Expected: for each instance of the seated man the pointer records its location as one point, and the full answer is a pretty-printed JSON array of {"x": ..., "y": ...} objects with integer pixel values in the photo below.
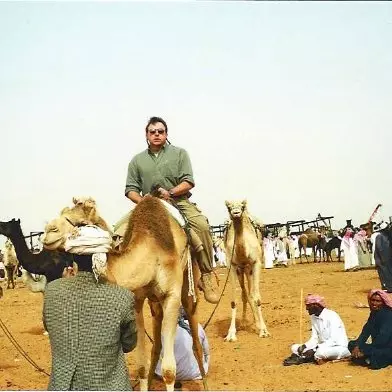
[
  {"x": 187, "y": 366},
  {"x": 328, "y": 340},
  {"x": 378, "y": 353}
]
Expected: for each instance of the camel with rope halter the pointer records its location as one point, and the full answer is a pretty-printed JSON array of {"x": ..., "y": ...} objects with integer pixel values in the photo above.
[
  {"x": 243, "y": 243},
  {"x": 155, "y": 264}
]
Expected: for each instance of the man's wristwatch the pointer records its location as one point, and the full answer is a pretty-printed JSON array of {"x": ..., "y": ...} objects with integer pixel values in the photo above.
[{"x": 171, "y": 193}]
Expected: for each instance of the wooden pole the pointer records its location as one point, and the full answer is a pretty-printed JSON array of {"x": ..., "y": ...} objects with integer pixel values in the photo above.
[{"x": 301, "y": 305}]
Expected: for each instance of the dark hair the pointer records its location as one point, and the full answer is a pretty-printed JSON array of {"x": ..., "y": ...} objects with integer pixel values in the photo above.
[
  {"x": 154, "y": 120},
  {"x": 84, "y": 262}
]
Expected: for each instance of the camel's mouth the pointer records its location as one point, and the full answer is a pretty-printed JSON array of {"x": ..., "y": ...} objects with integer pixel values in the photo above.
[
  {"x": 52, "y": 242},
  {"x": 236, "y": 213}
]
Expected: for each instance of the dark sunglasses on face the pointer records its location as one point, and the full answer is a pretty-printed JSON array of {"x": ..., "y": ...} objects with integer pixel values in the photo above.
[{"x": 154, "y": 131}]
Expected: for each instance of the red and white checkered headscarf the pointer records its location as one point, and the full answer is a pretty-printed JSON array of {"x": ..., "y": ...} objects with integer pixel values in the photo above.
[{"x": 315, "y": 299}]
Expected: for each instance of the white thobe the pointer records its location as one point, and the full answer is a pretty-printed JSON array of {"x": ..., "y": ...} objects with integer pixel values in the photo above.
[
  {"x": 329, "y": 338},
  {"x": 187, "y": 367},
  {"x": 268, "y": 253},
  {"x": 281, "y": 251},
  {"x": 221, "y": 257},
  {"x": 350, "y": 250},
  {"x": 373, "y": 241}
]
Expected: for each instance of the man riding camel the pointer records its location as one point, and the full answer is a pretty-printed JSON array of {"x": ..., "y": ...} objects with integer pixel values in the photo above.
[{"x": 170, "y": 167}]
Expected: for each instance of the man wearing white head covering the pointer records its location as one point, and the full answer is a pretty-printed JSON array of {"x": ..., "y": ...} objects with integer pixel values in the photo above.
[
  {"x": 350, "y": 249},
  {"x": 269, "y": 255},
  {"x": 328, "y": 340}
]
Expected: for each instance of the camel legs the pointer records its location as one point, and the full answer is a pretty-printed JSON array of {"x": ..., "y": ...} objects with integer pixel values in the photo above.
[
  {"x": 10, "y": 276},
  {"x": 329, "y": 257},
  {"x": 170, "y": 307},
  {"x": 197, "y": 348},
  {"x": 300, "y": 254},
  {"x": 314, "y": 254},
  {"x": 157, "y": 315},
  {"x": 244, "y": 296},
  {"x": 190, "y": 309},
  {"x": 231, "y": 334},
  {"x": 141, "y": 354},
  {"x": 306, "y": 256},
  {"x": 255, "y": 299}
]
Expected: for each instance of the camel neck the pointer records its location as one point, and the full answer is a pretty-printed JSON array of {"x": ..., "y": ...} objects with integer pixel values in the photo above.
[
  {"x": 19, "y": 243},
  {"x": 30, "y": 261},
  {"x": 239, "y": 225}
]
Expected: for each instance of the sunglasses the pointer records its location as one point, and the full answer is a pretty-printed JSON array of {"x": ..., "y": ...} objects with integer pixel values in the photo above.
[{"x": 154, "y": 131}]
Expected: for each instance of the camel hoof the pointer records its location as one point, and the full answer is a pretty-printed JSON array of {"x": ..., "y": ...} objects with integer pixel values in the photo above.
[
  {"x": 264, "y": 334},
  {"x": 231, "y": 338},
  {"x": 143, "y": 384}
]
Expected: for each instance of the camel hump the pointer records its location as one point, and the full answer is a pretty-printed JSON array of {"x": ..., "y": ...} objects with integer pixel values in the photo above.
[{"x": 150, "y": 218}]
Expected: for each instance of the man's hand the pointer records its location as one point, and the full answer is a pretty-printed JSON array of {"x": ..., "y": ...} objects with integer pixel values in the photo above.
[
  {"x": 357, "y": 353},
  {"x": 164, "y": 194}
]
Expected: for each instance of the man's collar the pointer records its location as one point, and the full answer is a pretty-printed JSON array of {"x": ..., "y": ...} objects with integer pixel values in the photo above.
[
  {"x": 162, "y": 149},
  {"x": 321, "y": 314}
]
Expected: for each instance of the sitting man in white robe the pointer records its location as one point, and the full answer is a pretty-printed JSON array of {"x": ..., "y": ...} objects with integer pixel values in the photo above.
[
  {"x": 187, "y": 367},
  {"x": 328, "y": 340}
]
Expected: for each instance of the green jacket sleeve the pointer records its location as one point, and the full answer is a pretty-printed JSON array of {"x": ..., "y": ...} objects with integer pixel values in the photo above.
[
  {"x": 133, "y": 182},
  {"x": 185, "y": 169}
]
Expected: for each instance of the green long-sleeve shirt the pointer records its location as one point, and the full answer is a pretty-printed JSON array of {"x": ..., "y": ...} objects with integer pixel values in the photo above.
[{"x": 169, "y": 168}]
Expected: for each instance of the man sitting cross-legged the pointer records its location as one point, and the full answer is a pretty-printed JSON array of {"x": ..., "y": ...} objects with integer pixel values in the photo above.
[{"x": 329, "y": 339}]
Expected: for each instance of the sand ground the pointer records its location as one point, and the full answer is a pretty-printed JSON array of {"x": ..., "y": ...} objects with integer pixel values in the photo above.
[{"x": 251, "y": 363}]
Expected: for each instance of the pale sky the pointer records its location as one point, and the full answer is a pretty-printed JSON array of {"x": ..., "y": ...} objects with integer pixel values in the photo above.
[{"x": 286, "y": 104}]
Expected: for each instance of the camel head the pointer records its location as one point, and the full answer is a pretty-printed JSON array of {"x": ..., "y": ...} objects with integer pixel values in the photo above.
[
  {"x": 83, "y": 212},
  {"x": 236, "y": 208},
  {"x": 10, "y": 227},
  {"x": 56, "y": 232},
  {"x": 8, "y": 246}
]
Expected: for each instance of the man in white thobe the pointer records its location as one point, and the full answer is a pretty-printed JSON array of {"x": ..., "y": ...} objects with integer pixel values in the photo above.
[
  {"x": 328, "y": 340},
  {"x": 186, "y": 364},
  {"x": 269, "y": 255},
  {"x": 350, "y": 249}
]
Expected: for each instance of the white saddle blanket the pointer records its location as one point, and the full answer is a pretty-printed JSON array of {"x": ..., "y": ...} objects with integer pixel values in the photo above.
[{"x": 174, "y": 213}]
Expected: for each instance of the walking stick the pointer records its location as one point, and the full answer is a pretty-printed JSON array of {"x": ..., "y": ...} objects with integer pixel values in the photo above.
[
  {"x": 300, "y": 315},
  {"x": 374, "y": 213}
]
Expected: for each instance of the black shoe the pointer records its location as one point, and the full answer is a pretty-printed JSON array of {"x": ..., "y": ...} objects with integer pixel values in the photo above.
[{"x": 294, "y": 359}]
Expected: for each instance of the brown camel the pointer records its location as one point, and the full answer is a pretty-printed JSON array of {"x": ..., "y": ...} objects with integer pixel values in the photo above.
[
  {"x": 309, "y": 239},
  {"x": 153, "y": 263},
  {"x": 245, "y": 254}
]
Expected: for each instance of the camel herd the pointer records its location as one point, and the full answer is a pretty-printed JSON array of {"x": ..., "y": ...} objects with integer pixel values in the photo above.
[{"x": 155, "y": 262}]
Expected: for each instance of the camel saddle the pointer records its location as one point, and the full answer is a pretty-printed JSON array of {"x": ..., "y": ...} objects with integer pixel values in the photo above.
[{"x": 121, "y": 226}]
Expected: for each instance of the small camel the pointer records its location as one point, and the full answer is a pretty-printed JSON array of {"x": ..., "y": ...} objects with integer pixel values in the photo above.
[
  {"x": 244, "y": 257},
  {"x": 153, "y": 263},
  {"x": 10, "y": 263}
]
